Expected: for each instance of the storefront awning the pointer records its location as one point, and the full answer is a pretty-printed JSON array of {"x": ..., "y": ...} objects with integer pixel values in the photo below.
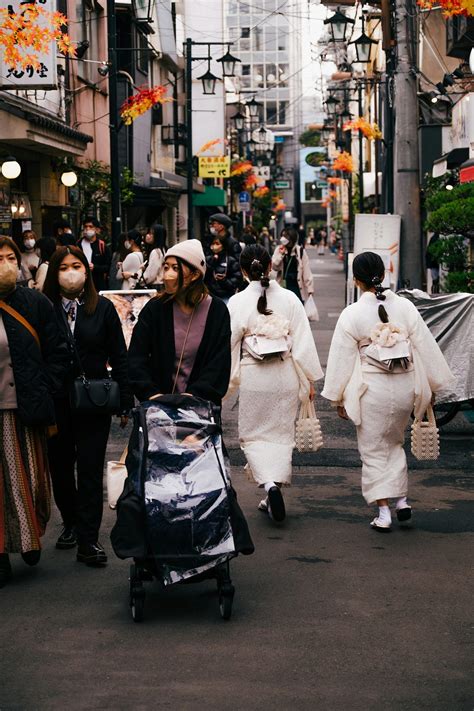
[
  {"x": 466, "y": 172},
  {"x": 450, "y": 160},
  {"x": 211, "y": 197},
  {"x": 161, "y": 194}
]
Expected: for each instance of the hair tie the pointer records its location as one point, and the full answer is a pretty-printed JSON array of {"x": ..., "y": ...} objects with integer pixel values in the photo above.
[
  {"x": 256, "y": 264},
  {"x": 376, "y": 281}
]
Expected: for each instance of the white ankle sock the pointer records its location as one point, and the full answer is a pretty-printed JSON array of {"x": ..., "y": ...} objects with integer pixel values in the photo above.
[
  {"x": 269, "y": 485},
  {"x": 402, "y": 503},
  {"x": 384, "y": 514}
]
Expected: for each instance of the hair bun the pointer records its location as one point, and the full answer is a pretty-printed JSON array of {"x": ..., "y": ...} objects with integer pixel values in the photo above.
[{"x": 265, "y": 282}]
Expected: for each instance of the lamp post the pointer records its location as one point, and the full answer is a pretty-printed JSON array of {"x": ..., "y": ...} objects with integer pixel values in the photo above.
[
  {"x": 209, "y": 84},
  {"x": 113, "y": 126}
]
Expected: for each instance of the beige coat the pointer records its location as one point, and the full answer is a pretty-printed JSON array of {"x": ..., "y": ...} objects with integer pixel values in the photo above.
[{"x": 305, "y": 277}]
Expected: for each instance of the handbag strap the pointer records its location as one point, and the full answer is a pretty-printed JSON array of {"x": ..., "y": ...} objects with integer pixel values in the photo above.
[
  {"x": 21, "y": 319},
  {"x": 182, "y": 351},
  {"x": 72, "y": 341}
]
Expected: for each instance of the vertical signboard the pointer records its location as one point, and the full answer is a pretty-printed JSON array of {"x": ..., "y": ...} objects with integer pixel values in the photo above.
[
  {"x": 44, "y": 75},
  {"x": 380, "y": 234}
]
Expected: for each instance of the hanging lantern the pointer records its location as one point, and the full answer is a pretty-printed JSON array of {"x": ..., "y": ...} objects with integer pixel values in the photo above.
[
  {"x": 208, "y": 82},
  {"x": 69, "y": 178},
  {"x": 10, "y": 169},
  {"x": 142, "y": 10},
  {"x": 254, "y": 107},
  {"x": 228, "y": 64},
  {"x": 239, "y": 120},
  {"x": 331, "y": 104},
  {"x": 363, "y": 46},
  {"x": 338, "y": 24}
]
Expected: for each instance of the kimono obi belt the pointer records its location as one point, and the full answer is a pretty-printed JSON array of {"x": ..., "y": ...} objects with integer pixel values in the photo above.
[{"x": 368, "y": 367}]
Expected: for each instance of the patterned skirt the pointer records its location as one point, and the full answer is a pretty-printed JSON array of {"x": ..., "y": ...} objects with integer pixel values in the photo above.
[{"x": 25, "y": 492}]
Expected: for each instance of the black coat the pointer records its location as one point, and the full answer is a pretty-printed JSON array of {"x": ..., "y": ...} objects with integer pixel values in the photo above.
[
  {"x": 101, "y": 259},
  {"x": 223, "y": 265},
  {"x": 99, "y": 340},
  {"x": 38, "y": 373},
  {"x": 152, "y": 353}
]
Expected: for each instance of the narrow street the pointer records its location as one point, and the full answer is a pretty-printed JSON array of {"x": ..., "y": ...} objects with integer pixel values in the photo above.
[{"x": 328, "y": 614}]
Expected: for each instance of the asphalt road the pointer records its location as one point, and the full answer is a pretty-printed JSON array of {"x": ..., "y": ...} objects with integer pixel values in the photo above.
[{"x": 328, "y": 614}]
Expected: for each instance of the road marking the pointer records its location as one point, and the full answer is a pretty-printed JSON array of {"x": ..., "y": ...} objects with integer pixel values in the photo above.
[{"x": 334, "y": 315}]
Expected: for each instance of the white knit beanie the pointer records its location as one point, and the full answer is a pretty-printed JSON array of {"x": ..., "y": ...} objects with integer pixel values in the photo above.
[{"x": 191, "y": 251}]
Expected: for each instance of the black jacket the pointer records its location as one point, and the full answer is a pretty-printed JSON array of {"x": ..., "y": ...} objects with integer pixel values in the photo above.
[
  {"x": 99, "y": 340},
  {"x": 38, "y": 373},
  {"x": 151, "y": 356},
  {"x": 223, "y": 265},
  {"x": 101, "y": 259}
]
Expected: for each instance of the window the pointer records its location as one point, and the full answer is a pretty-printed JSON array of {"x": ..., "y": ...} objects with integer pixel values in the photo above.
[
  {"x": 271, "y": 112},
  {"x": 142, "y": 56},
  {"x": 245, "y": 32},
  {"x": 245, "y": 70},
  {"x": 312, "y": 192},
  {"x": 282, "y": 113}
]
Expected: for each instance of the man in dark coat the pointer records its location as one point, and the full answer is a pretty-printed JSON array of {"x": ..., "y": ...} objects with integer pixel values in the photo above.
[
  {"x": 219, "y": 226},
  {"x": 97, "y": 253}
]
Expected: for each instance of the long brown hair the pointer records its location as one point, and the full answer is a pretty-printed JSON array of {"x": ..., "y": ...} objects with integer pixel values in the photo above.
[
  {"x": 194, "y": 293},
  {"x": 51, "y": 284}
]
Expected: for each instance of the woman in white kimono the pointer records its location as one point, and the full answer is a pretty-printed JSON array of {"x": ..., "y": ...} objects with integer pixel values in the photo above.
[
  {"x": 270, "y": 388},
  {"x": 379, "y": 402}
]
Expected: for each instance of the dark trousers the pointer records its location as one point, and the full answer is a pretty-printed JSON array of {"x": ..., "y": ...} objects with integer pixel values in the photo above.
[{"x": 82, "y": 441}]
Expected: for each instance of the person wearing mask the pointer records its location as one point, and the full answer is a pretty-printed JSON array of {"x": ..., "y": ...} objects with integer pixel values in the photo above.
[
  {"x": 264, "y": 239},
  {"x": 97, "y": 253},
  {"x": 155, "y": 248},
  {"x": 130, "y": 268},
  {"x": 219, "y": 226},
  {"x": 114, "y": 283},
  {"x": 270, "y": 389},
  {"x": 290, "y": 262},
  {"x": 223, "y": 275},
  {"x": 181, "y": 341},
  {"x": 29, "y": 256},
  {"x": 92, "y": 326},
  {"x": 378, "y": 402},
  {"x": 34, "y": 360},
  {"x": 63, "y": 235},
  {"x": 249, "y": 236},
  {"x": 46, "y": 247}
]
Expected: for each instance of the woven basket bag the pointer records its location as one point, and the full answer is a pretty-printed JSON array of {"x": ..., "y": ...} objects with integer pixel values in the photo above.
[
  {"x": 308, "y": 435},
  {"x": 425, "y": 437}
]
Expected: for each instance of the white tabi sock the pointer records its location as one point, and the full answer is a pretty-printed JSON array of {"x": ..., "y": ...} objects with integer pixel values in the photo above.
[
  {"x": 402, "y": 503},
  {"x": 269, "y": 485},
  {"x": 384, "y": 514}
]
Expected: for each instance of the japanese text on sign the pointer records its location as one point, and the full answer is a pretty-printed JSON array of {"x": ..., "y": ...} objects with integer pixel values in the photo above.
[
  {"x": 44, "y": 76},
  {"x": 214, "y": 167}
]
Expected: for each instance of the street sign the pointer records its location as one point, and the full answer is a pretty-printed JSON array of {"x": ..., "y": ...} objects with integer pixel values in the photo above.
[
  {"x": 244, "y": 202},
  {"x": 262, "y": 172},
  {"x": 321, "y": 184},
  {"x": 214, "y": 166},
  {"x": 282, "y": 184}
]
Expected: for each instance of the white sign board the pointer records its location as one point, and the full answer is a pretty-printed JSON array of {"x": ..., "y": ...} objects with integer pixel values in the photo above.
[
  {"x": 262, "y": 172},
  {"x": 380, "y": 234},
  {"x": 44, "y": 77}
]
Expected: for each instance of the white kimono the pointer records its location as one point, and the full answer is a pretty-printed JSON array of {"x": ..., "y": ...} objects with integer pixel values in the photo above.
[
  {"x": 270, "y": 391},
  {"x": 380, "y": 404}
]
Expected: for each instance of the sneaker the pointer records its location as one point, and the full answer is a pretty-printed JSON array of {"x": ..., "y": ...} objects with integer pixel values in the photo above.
[
  {"x": 5, "y": 569},
  {"x": 91, "y": 554},
  {"x": 379, "y": 524},
  {"x": 67, "y": 539},
  {"x": 276, "y": 505}
]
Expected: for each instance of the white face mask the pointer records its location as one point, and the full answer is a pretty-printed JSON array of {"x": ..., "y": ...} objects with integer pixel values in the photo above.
[
  {"x": 214, "y": 231},
  {"x": 29, "y": 243},
  {"x": 149, "y": 239},
  {"x": 284, "y": 241},
  {"x": 127, "y": 244},
  {"x": 89, "y": 234},
  {"x": 72, "y": 281},
  {"x": 8, "y": 276}
]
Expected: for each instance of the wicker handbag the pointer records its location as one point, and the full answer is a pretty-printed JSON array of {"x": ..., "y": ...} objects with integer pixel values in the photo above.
[
  {"x": 425, "y": 437},
  {"x": 308, "y": 435}
]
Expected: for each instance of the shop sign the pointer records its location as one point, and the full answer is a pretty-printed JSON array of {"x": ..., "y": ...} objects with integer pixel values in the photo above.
[
  {"x": 44, "y": 76},
  {"x": 262, "y": 172},
  {"x": 244, "y": 202},
  {"x": 214, "y": 166},
  {"x": 282, "y": 185}
]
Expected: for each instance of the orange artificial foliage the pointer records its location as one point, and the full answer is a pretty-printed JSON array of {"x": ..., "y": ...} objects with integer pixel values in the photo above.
[
  {"x": 344, "y": 162},
  {"x": 141, "y": 102},
  {"x": 210, "y": 145},
  {"x": 450, "y": 7},
  {"x": 261, "y": 192},
  {"x": 334, "y": 181},
  {"x": 369, "y": 130},
  {"x": 240, "y": 168},
  {"x": 23, "y": 37},
  {"x": 332, "y": 194},
  {"x": 250, "y": 181}
]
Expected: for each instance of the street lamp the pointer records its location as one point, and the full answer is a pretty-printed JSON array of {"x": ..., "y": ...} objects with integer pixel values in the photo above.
[
  {"x": 338, "y": 26},
  {"x": 331, "y": 104},
  {"x": 228, "y": 64},
  {"x": 239, "y": 120},
  {"x": 363, "y": 45},
  {"x": 208, "y": 81},
  {"x": 142, "y": 10},
  {"x": 10, "y": 169},
  {"x": 69, "y": 178},
  {"x": 326, "y": 131},
  {"x": 253, "y": 107}
]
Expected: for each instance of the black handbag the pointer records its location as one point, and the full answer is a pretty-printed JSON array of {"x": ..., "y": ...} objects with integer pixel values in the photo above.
[{"x": 99, "y": 396}]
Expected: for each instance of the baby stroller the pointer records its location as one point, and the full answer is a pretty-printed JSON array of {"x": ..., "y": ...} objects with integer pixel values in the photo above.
[{"x": 178, "y": 515}]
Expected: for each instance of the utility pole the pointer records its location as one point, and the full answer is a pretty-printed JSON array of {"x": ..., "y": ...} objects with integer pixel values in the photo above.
[
  {"x": 113, "y": 125},
  {"x": 189, "y": 135},
  {"x": 406, "y": 171}
]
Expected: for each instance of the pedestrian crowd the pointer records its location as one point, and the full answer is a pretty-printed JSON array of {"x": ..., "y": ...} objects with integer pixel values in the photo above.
[{"x": 227, "y": 316}]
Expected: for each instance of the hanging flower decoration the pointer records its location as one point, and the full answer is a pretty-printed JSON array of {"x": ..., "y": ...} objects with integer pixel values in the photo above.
[
  {"x": 240, "y": 167},
  {"x": 278, "y": 204},
  {"x": 261, "y": 192},
  {"x": 344, "y": 162},
  {"x": 25, "y": 35},
  {"x": 332, "y": 194},
  {"x": 369, "y": 130},
  {"x": 450, "y": 8},
  {"x": 250, "y": 181},
  {"x": 142, "y": 101},
  {"x": 334, "y": 181},
  {"x": 209, "y": 146}
]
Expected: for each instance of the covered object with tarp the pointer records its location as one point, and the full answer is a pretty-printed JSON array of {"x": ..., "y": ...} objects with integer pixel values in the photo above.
[{"x": 450, "y": 318}]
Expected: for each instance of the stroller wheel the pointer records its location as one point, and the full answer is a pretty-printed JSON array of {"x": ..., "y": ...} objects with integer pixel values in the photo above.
[{"x": 226, "y": 598}]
